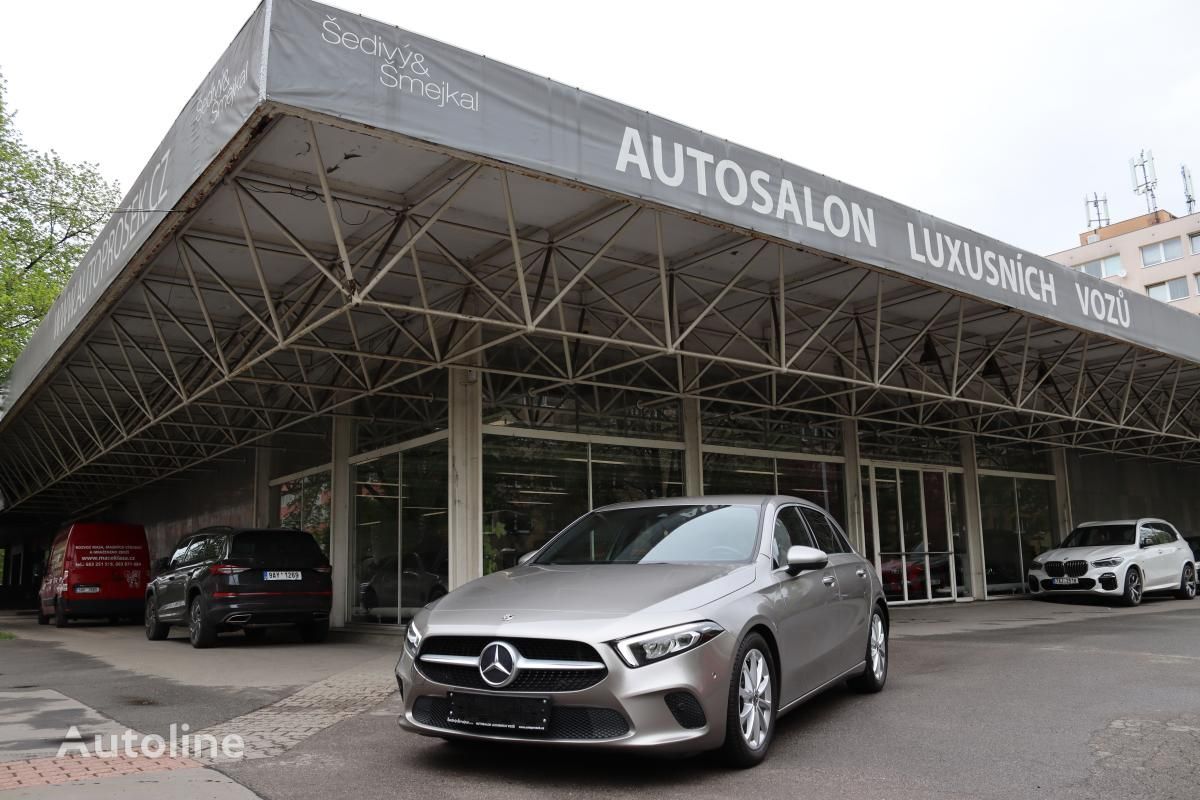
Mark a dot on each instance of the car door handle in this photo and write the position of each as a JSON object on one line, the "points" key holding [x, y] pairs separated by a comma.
{"points": [[862, 573], [828, 580]]}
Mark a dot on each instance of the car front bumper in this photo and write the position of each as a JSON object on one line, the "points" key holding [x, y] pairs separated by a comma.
{"points": [[1100, 581], [628, 708]]}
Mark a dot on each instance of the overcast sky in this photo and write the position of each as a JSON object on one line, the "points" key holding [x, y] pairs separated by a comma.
{"points": [[999, 118]]}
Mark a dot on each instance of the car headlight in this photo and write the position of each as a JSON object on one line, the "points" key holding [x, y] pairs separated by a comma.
{"points": [[1108, 562], [412, 639], [646, 648]]}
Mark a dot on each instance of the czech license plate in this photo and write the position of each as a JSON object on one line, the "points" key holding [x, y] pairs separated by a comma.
{"points": [[1065, 581], [485, 712], [87, 590], [281, 576]]}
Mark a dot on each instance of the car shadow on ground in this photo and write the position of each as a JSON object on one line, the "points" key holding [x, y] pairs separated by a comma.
{"points": [[625, 770], [1100, 602]]}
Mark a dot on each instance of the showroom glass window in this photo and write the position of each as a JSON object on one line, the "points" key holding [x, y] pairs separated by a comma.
{"points": [[819, 482], [534, 487], [399, 541], [304, 504]]}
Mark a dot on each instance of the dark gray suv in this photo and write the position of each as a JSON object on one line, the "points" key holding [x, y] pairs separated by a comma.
{"points": [[250, 579]]}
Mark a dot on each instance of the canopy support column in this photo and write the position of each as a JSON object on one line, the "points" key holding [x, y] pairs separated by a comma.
{"points": [[973, 517], [466, 475], [340, 512], [853, 481]]}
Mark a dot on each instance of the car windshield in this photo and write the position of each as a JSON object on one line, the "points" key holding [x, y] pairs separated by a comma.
{"points": [[668, 534], [1100, 536], [294, 549]]}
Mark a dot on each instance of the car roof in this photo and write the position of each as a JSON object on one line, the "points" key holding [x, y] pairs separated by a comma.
{"points": [[1137, 521], [235, 530], [755, 500]]}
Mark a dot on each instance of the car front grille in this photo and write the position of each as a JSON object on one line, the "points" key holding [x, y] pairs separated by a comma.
{"points": [[528, 680], [566, 722], [1060, 569]]}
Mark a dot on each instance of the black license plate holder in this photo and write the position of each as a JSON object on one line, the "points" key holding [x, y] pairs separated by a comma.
{"points": [[498, 713]]}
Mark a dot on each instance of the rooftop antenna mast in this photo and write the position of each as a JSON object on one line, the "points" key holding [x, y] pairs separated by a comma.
{"points": [[1145, 181], [1189, 195], [1097, 210]]}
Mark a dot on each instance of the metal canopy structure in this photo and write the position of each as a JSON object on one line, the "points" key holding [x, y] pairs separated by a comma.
{"points": [[324, 265]]}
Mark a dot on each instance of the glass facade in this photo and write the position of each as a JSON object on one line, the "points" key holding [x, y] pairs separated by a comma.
{"points": [[763, 430], [399, 545], [916, 532], [818, 481], [535, 482], [1018, 523], [533, 487], [303, 503]]}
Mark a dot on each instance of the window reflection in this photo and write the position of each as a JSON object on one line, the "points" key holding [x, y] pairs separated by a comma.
{"points": [[400, 544], [304, 504], [532, 489]]}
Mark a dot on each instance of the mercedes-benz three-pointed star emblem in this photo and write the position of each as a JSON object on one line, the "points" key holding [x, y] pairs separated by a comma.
{"points": [[498, 664]]}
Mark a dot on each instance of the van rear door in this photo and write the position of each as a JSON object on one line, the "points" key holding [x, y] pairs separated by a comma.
{"points": [[107, 561]]}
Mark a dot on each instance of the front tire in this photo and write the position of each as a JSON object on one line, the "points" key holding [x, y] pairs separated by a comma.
{"points": [[1187, 583], [1133, 587], [201, 632], [155, 631], [60, 615], [43, 619], [874, 674], [750, 715]]}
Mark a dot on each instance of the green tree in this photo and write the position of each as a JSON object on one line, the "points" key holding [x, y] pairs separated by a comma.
{"points": [[50, 211]]}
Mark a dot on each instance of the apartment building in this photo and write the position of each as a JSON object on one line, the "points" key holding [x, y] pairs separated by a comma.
{"points": [[1156, 254]]}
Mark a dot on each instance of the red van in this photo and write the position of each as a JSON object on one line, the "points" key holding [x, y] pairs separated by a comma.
{"points": [[95, 569]]}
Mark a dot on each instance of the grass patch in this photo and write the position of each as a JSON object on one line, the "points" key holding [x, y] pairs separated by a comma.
{"points": [[6, 635]]}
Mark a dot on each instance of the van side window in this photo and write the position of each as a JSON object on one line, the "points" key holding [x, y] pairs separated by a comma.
{"points": [[58, 554]]}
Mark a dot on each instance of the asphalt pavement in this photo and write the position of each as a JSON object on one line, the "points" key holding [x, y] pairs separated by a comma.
{"points": [[1011, 699]]}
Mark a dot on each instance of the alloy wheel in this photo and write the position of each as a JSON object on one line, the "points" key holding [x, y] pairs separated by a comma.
{"points": [[151, 614], [754, 699], [1135, 586], [194, 620], [1189, 580], [878, 647]]}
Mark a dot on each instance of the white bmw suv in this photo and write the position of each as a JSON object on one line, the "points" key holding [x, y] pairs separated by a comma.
{"points": [[1124, 558]]}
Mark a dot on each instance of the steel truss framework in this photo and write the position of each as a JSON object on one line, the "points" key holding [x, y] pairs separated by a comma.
{"points": [[339, 272]]}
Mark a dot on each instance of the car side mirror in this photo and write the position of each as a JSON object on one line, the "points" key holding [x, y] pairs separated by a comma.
{"points": [[801, 558], [1147, 541], [526, 557]]}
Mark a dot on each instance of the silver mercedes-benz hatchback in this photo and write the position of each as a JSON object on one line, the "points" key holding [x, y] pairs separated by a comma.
{"points": [[680, 624]]}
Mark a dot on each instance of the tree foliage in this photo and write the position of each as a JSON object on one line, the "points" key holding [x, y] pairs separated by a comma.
{"points": [[50, 211]]}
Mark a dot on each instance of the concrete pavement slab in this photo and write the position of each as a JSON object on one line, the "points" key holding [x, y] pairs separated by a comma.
{"points": [[34, 723], [196, 783]]}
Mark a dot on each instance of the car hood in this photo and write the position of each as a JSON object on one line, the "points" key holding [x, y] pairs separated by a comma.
{"points": [[1086, 553], [596, 591]]}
